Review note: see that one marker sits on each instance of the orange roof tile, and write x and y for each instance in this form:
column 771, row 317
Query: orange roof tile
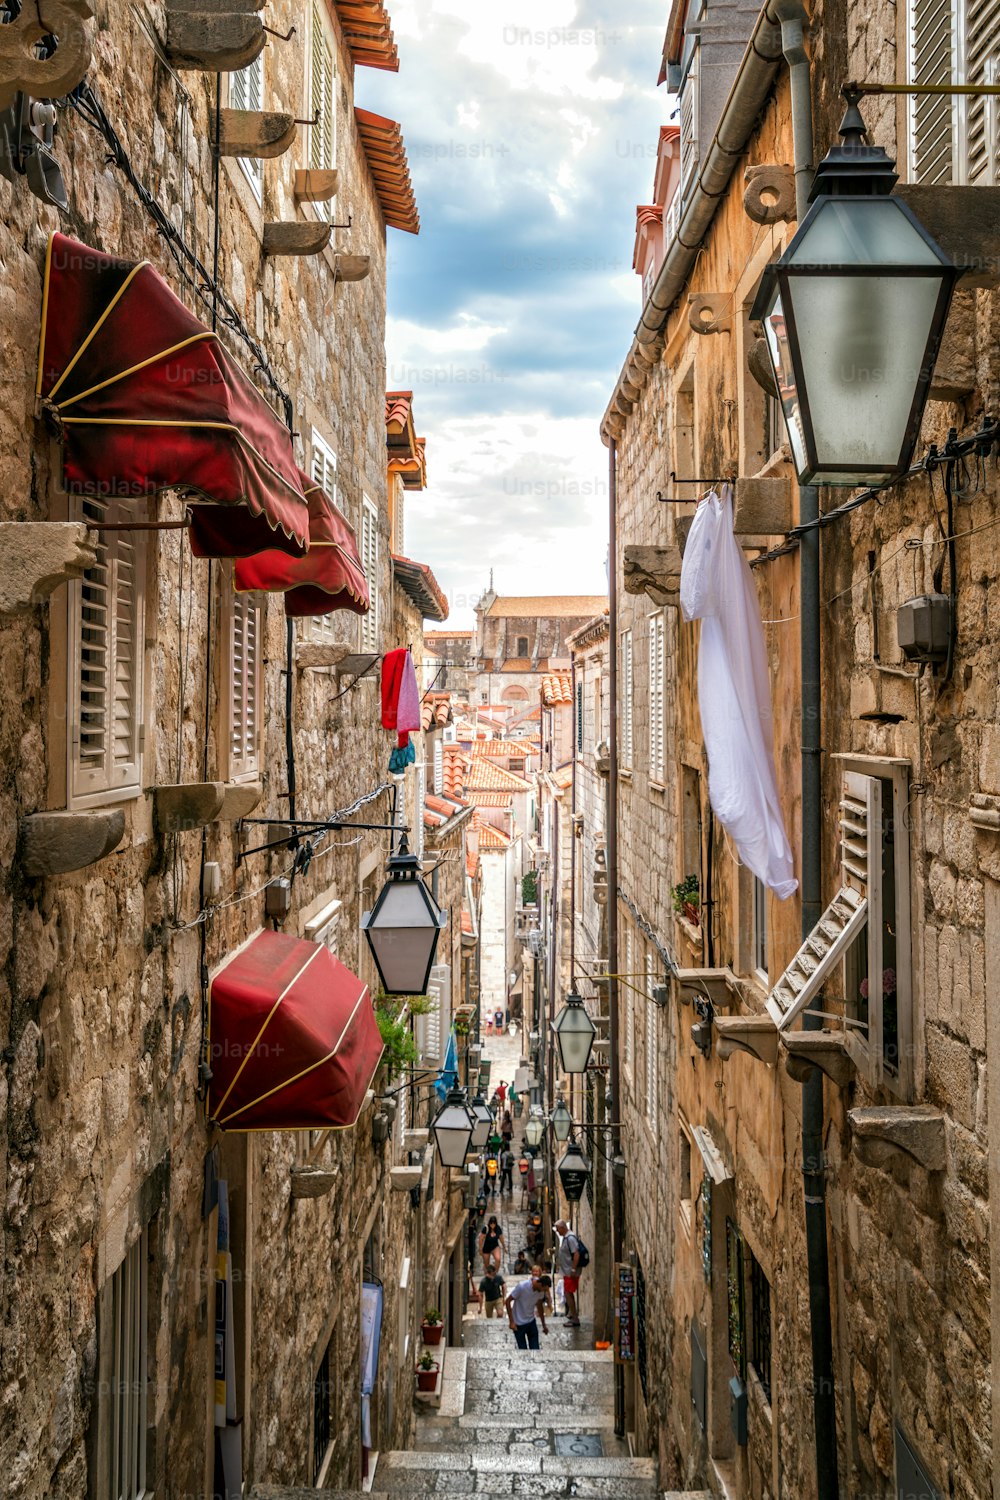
column 471, row 859
column 545, row 606
column 368, row 34
column 435, row 711
column 407, row 452
column 491, row 838
column 557, row 687
column 485, row 776
column 419, row 584
column 563, row 778
column 480, row 798
column 454, row 769
column 467, row 922
column 517, row 748
column 382, row 142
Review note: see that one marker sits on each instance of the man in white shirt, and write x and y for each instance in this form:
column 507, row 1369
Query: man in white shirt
column 525, row 1304
column 569, row 1265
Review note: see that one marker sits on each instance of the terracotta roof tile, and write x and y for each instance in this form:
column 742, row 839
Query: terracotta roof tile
column 454, row 769
column 382, row 142
column 467, row 922
column 563, row 778
column 480, row 798
column 435, row 711
column 368, row 34
column 502, row 748
column 557, row 687
column 419, row 584
column 490, row 837
column 485, row 776
column 546, row 606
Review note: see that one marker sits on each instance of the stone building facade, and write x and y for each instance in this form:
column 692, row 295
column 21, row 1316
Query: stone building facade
column 710, row 1097
column 127, row 880
column 518, row 639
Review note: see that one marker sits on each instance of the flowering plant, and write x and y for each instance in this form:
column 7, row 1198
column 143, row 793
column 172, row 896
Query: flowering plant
column 888, row 984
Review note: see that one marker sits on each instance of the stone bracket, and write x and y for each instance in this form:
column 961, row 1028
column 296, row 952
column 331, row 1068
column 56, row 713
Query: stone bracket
column 45, row 77
column 178, row 809
column 760, row 367
column 321, row 654
column 757, row 1036
column 769, row 196
column 313, row 1182
column 965, row 221
column 54, row 843
column 762, row 507
column 296, row 239
column 239, row 800
column 719, row 986
column 415, row 1140
column 255, row 133
column 211, row 37
column 826, row 1050
column 884, row 1132
column 352, row 267
column 357, row 664
column 316, row 185
column 404, row 1179
column 40, row 555
column 655, row 571
column 710, row 312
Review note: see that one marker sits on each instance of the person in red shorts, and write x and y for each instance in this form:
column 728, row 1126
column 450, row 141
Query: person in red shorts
column 569, row 1265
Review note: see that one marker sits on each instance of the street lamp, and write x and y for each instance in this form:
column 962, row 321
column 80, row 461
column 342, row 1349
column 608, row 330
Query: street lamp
column 484, row 1122
column 562, row 1121
column 403, row 927
column 574, row 1172
column 575, row 1033
column 853, row 314
column 453, row 1128
column 534, row 1131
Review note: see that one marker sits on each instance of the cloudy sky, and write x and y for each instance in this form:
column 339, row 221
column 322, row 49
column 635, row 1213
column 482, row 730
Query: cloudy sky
column 531, row 129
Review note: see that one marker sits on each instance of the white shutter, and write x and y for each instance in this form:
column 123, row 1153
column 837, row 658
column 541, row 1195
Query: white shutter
column 857, row 902
column 322, row 95
column 652, row 1048
column 369, row 561
column 656, row 675
column 627, row 741
column 438, row 765
column 982, row 50
column 418, row 814
column 107, row 613
column 438, row 1019
column 246, row 91
column 932, row 33
column 244, row 687
column 629, row 998
column 689, row 121
column 323, row 469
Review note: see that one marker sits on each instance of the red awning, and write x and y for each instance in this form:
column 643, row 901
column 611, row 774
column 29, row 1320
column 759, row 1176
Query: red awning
column 293, row 1039
column 148, row 399
column 329, row 577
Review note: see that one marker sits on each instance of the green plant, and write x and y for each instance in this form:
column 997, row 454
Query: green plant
column 427, row 1361
column 463, row 1025
column 529, row 888
column 686, row 893
column 432, row 1316
column 394, row 1028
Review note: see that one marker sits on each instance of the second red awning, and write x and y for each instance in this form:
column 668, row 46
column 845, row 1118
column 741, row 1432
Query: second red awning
column 329, row 577
column 148, row 399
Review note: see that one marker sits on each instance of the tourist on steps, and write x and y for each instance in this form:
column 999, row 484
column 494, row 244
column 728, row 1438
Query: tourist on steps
column 525, row 1305
column 569, row 1265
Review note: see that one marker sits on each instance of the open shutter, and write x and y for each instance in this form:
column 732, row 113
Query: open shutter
column 127, row 729
column 322, row 135
column 689, row 122
column 656, row 671
column 323, row 469
column 438, row 765
column 434, row 1031
column 627, row 728
column 652, row 1051
column 369, row 561
column 983, row 128
column 628, row 996
column 932, row 33
column 244, row 667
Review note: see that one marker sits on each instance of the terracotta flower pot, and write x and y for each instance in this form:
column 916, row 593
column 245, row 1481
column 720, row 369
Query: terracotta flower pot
column 427, row 1379
column 432, row 1332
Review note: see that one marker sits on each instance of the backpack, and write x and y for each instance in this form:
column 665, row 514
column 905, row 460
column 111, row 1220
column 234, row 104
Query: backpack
column 583, row 1253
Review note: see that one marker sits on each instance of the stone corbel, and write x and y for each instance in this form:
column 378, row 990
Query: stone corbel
column 719, row 986
column 826, row 1050
column 55, row 843
column 415, row 1140
column 965, row 221
column 404, row 1179
column 313, row 1182
column 602, row 759
column 239, row 800
column 255, row 133
column 357, row 664
column 352, row 267
column 210, row 36
column 769, row 197
column 762, row 507
column 296, row 239
column 316, row 185
column 45, row 77
column 40, row 555
column 321, row 654
column 757, row 1036
column 710, row 312
column 760, row 367
column 655, row 571
column 180, row 808
column 884, row 1132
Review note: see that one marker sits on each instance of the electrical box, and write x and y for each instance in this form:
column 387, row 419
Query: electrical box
column 211, row 881
column 923, row 628
column 278, row 897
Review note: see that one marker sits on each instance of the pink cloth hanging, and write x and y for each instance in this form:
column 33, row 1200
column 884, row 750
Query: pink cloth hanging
column 400, row 694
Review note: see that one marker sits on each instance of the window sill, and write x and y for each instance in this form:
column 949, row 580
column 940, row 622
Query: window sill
column 625, row 774
column 686, row 1217
column 657, row 786
column 691, row 934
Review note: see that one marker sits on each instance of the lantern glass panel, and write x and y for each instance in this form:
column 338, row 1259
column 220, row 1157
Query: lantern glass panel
column 861, row 232
column 453, row 1133
column 404, row 956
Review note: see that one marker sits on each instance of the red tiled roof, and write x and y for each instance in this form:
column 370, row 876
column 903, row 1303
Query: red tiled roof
column 419, row 584
column 447, row 635
column 563, row 778
column 382, row 142
column 490, row 837
column 454, row 768
column 435, row 711
column 546, row 606
column 484, row 776
column 440, row 810
column 557, row 687
column 467, row 922
column 479, row 798
column 519, row 748
column 407, row 452
column 471, row 858
column 368, row 34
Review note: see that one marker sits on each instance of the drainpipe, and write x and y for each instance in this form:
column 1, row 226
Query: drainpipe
column 791, row 17
column 617, row 1187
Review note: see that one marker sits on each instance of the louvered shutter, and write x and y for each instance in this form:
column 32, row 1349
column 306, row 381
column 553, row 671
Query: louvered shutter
column 983, row 119
column 629, row 998
column 628, row 715
column 689, row 121
column 246, row 91
column 652, row 1047
column 437, row 1020
column 932, row 33
column 369, row 561
column 421, row 795
column 579, row 717
column 323, row 469
column 106, row 657
column 322, row 135
column 438, row 765
column 244, row 668
column 656, row 672
column 857, row 903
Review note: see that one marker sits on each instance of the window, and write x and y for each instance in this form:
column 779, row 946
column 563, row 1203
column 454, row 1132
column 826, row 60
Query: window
column 369, row 561
column 522, row 646
column 628, row 707
column 399, row 524
column 736, row 1317
column 432, row 1029
column 625, row 990
column 690, row 841
column 123, row 1312
column 244, row 685
column 106, row 645
column 246, row 91
column 579, row 718
column 421, row 797
column 760, row 1324
column 684, row 1174
column 759, row 928
column 640, row 1328
column 657, row 649
column 404, row 1310
column 954, row 139
column 652, row 1048
column 748, row 1306
column 323, row 469
column 323, row 1409
column 322, row 99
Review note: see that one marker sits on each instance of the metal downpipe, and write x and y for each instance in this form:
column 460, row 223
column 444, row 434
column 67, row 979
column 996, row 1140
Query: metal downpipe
column 617, row 1187
column 791, row 17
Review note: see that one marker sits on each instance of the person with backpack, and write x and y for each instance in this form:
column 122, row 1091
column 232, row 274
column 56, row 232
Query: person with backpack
column 573, row 1257
column 506, row 1170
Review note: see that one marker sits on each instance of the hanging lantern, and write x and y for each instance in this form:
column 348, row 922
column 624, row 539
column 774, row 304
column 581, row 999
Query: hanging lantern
column 453, row 1126
column 534, row 1131
column 484, row 1122
column 575, row 1033
column 853, row 315
column 574, row 1173
column 562, row 1121
column 403, row 927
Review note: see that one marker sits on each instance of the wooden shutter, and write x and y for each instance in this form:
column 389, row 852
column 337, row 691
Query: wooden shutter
column 369, row 561
column 628, row 997
column 322, row 82
column 628, row 711
column 932, row 34
column 982, row 51
column 438, row 766
column 652, row 1050
column 244, row 685
column 579, row 717
column 106, row 658
column 437, row 1021
column 323, row 469
column 656, row 674
column 417, row 841
column 689, row 121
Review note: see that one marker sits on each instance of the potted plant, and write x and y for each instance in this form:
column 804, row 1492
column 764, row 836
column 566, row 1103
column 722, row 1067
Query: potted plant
column 432, row 1327
column 687, row 899
column 427, row 1371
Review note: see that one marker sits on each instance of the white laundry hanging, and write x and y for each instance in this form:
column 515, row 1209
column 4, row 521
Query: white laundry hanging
column 734, row 694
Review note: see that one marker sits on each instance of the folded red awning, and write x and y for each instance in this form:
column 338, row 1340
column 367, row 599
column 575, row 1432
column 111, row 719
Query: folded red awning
column 329, row 577
column 148, row 399
column 292, row 1036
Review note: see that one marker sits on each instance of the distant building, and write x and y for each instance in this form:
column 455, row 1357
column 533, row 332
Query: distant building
column 519, row 639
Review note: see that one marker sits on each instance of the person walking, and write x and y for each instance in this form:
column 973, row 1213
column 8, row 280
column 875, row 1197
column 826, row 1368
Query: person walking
column 498, row 1020
column 491, row 1245
column 491, row 1289
column 501, row 1095
column 506, row 1170
column 569, row 1265
column 525, row 1306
